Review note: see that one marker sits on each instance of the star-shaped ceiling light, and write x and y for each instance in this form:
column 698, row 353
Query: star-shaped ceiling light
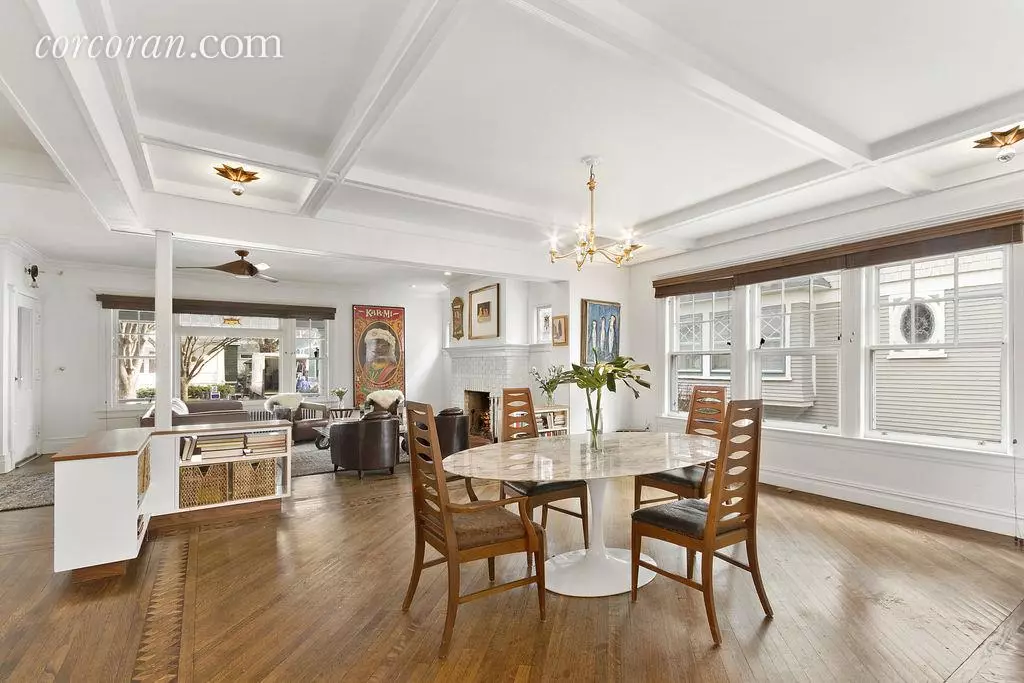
column 1004, row 141
column 238, row 177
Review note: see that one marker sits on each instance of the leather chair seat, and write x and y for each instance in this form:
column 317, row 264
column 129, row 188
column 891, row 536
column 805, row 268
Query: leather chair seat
column 538, row 488
column 494, row 525
column 687, row 516
column 684, row 476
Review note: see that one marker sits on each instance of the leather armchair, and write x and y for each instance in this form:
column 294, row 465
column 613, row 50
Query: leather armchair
column 304, row 429
column 452, row 437
column 369, row 444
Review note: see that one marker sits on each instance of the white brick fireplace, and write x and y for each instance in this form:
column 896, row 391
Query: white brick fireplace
column 489, row 369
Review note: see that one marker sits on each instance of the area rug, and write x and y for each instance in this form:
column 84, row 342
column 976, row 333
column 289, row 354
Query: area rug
column 307, row 459
column 22, row 489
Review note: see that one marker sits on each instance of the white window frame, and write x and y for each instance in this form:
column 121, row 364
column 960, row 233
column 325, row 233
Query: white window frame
column 931, row 349
column 706, row 351
column 758, row 355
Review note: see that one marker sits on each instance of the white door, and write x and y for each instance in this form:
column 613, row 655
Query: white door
column 26, row 377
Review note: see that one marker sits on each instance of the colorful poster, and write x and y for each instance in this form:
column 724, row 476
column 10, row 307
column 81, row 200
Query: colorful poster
column 378, row 350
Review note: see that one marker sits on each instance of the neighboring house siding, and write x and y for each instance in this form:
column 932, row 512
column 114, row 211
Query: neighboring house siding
column 959, row 395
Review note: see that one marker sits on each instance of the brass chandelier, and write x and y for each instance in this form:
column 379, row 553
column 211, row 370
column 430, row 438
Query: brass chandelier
column 586, row 238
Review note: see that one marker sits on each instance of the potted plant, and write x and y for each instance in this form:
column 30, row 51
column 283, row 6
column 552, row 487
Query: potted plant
column 550, row 381
column 605, row 375
column 340, row 393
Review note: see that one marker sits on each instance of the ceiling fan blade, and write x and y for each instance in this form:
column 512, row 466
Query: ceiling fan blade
column 261, row 276
column 262, row 266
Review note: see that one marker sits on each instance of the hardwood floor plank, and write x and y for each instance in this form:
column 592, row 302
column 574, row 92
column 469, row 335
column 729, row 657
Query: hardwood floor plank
column 315, row 594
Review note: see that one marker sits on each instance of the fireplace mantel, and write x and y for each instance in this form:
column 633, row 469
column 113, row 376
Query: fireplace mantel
column 500, row 350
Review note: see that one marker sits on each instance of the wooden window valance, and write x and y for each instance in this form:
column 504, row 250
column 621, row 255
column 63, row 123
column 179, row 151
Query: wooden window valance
column 239, row 308
column 975, row 233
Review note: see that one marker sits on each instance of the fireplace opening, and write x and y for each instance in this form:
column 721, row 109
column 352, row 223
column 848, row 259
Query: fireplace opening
column 481, row 414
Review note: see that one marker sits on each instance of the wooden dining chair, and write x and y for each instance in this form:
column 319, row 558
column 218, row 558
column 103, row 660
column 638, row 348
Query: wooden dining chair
column 518, row 421
column 463, row 532
column 706, row 528
column 706, row 418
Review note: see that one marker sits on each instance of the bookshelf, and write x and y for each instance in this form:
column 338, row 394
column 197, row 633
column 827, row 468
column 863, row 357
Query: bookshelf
column 552, row 420
column 110, row 485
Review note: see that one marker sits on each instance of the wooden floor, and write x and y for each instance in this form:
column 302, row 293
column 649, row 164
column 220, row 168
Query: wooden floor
column 859, row 595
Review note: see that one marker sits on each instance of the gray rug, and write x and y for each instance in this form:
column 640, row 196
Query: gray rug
column 307, row 460
column 20, row 490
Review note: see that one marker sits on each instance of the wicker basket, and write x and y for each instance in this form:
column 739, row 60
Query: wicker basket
column 202, row 485
column 253, row 478
column 144, row 472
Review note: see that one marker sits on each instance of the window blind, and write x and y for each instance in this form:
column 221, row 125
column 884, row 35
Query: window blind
column 975, row 233
column 239, row 308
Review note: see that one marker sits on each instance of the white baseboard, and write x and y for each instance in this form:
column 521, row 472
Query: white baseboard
column 987, row 519
column 58, row 443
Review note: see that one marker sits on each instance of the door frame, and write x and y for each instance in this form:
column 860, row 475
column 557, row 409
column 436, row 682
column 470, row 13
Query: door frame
column 15, row 300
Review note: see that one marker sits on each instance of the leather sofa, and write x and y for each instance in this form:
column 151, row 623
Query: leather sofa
column 205, row 412
column 367, row 444
column 304, row 428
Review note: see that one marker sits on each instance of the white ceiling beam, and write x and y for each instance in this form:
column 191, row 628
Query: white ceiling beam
column 418, row 34
column 99, row 21
column 980, row 120
column 66, row 105
column 776, row 186
column 188, row 139
column 442, row 195
column 627, row 31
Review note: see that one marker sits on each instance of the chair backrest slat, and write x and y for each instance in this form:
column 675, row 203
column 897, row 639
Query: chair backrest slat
column 429, row 492
column 707, row 411
column 734, row 491
column 517, row 417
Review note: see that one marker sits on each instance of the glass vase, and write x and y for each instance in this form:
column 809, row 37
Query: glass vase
column 595, row 428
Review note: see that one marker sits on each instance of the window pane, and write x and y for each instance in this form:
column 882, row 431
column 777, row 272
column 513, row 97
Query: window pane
column 801, row 312
column 684, row 390
column 134, row 349
column 981, row 320
column 233, row 367
column 721, row 331
column 310, row 355
column 688, row 333
column 244, row 322
column 927, row 394
column 807, row 394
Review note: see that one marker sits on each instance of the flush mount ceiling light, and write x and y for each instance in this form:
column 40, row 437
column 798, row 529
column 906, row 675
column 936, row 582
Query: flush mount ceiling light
column 238, row 177
column 586, row 235
column 1003, row 141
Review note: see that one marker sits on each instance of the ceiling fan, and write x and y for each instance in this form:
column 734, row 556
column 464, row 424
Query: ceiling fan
column 240, row 268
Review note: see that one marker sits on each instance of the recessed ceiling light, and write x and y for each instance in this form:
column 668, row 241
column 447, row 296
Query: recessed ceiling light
column 413, row 286
column 447, row 273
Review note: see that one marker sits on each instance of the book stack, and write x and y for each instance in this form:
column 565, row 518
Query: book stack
column 559, row 420
column 266, row 443
column 212, row 448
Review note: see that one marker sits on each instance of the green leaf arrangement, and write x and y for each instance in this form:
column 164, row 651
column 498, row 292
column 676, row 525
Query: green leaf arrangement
column 606, row 375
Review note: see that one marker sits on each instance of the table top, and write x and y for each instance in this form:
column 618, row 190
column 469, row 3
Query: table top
column 563, row 458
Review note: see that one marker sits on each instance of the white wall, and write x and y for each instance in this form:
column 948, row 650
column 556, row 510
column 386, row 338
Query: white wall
column 543, row 356
column 76, row 344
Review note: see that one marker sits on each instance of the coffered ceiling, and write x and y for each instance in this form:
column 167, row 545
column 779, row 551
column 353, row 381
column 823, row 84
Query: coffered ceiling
column 464, row 120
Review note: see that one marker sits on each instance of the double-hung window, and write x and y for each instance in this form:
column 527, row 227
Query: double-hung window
column 798, row 349
column 938, row 363
column 310, row 356
column 700, row 330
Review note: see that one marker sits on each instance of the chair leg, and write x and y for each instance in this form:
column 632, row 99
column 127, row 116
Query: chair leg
column 755, row 573
column 470, row 492
column 707, row 581
column 417, row 568
column 490, row 569
column 585, row 511
column 501, row 490
column 335, row 468
column 691, row 558
column 544, row 515
column 541, row 589
column 637, row 490
column 453, row 606
column 360, row 474
column 634, row 561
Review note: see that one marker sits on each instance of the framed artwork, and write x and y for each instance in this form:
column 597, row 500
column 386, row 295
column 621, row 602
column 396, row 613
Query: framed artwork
column 560, row 330
column 543, row 325
column 599, row 336
column 458, row 331
column 378, row 349
column 484, row 312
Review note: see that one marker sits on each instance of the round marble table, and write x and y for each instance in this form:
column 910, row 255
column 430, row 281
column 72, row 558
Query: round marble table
column 599, row 570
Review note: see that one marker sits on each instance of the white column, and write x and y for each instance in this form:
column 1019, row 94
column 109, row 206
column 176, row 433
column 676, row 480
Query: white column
column 164, row 328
